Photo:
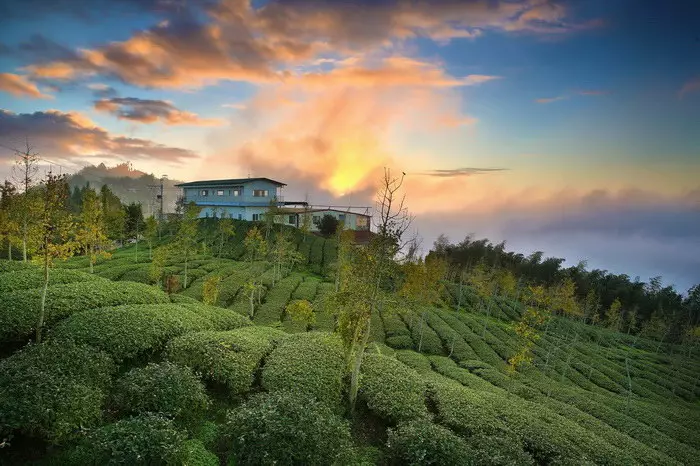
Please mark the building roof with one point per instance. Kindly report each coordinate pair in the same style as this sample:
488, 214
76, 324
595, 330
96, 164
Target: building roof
229, 182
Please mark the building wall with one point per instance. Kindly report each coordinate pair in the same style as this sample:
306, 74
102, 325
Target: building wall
246, 197
351, 220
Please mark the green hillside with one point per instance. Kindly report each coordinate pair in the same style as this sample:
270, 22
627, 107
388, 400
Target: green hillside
131, 374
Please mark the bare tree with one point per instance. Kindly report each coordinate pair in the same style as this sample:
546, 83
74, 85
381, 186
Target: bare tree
360, 294
25, 172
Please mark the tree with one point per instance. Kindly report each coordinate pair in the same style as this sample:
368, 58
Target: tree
305, 224
251, 289
225, 231
91, 234
301, 310
283, 254
359, 293
527, 329
186, 238
133, 224
423, 286
9, 225
613, 317
56, 228
255, 245
114, 214
151, 232
328, 225
270, 217
210, 291
25, 171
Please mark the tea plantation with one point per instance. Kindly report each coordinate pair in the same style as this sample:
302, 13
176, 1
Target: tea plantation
130, 374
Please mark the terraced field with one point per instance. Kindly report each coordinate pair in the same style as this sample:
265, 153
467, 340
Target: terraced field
434, 381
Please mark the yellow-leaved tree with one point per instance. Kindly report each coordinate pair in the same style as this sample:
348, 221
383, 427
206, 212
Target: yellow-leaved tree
91, 235
56, 230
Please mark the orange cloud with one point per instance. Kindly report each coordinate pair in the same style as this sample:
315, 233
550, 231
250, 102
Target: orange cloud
19, 86
151, 111
335, 137
264, 44
391, 71
71, 135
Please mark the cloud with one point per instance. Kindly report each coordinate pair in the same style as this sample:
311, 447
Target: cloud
335, 137
32, 9
151, 111
236, 41
585, 93
459, 172
102, 91
693, 85
72, 136
549, 100
238, 106
390, 71
19, 86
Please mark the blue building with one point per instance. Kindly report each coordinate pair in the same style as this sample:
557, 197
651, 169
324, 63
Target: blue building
239, 198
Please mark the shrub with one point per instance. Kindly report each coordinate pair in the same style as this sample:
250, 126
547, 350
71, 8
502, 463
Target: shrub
311, 364
400, 342
228, 357
499, 451
221, 319
415, 361
129, 331
425, 443
392, 390
34, 278
149, 439
282, 427
165, 388
52, 390
18, 315
194, 453
272, 310
12, 266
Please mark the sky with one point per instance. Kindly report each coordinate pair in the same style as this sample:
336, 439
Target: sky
570, 127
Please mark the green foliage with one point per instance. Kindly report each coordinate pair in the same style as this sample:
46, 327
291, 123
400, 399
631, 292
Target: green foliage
230, 358
221, 319
415, 361
13, 266
51, 391
194, 453
33, 278
425, 443
311, 364
284, 428
126, 332
210, 291
328, 225
272, 310
18, 313
392, 390
165, 388
149, 439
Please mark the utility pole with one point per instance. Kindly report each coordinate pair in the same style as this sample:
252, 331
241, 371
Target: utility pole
159, 197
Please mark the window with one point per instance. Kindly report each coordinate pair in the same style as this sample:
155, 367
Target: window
240, 216
204, 192
341, 217
256, 217
206, 214
261, 193
317, 219
237, 191
220, 192
292, 219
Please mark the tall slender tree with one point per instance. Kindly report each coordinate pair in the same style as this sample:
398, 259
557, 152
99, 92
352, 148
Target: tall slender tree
91, 234
56, 228
186, 238
25, 171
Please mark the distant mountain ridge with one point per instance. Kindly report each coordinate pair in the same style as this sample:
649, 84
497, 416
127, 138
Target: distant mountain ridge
131, 185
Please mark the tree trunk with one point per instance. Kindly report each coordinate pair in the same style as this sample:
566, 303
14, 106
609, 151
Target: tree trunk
252, 304
42, 310
137, 248
420, 340
459, 296
357, 364
185, 281
24, 241
9, 249
221, 245
92, 260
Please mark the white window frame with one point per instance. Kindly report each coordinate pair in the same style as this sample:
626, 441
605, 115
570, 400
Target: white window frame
204, 192
256, 217
220, 192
